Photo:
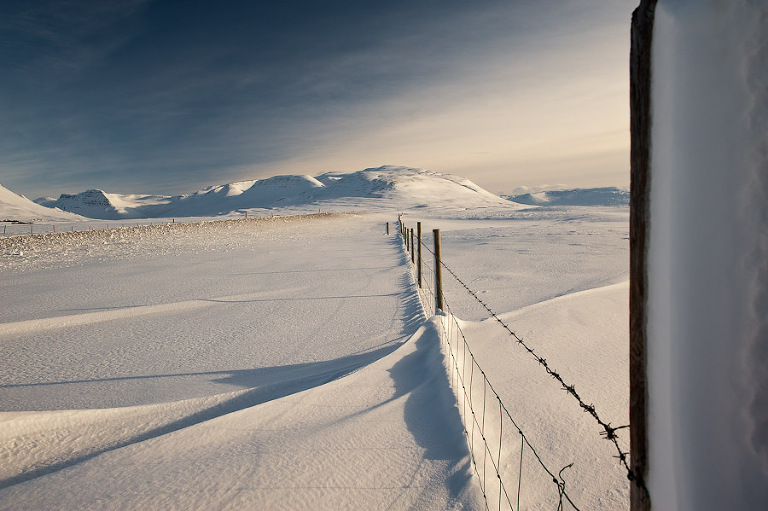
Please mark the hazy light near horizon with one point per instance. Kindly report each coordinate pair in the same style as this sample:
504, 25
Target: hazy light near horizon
560, 116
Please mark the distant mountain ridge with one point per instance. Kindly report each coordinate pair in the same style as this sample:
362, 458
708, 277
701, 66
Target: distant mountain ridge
606, 196
391, 186
380, 188
17, 208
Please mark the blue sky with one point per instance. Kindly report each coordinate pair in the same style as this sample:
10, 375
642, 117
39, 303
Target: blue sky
171, 96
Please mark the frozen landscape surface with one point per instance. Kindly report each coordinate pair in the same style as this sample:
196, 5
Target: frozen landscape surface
286, 363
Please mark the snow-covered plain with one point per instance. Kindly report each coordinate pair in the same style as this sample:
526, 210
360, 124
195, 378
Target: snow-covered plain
286, 363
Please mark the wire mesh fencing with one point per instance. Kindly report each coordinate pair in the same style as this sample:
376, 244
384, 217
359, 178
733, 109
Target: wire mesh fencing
510, 471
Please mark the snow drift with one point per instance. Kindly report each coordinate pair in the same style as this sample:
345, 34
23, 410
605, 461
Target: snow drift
707, 335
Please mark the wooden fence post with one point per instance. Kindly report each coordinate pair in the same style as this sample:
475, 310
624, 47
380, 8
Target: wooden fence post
438, 272
387, 227
418, 256
413, 252
407, 241
640, 129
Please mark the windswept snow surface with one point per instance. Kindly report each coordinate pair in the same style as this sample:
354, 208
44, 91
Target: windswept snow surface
286, 363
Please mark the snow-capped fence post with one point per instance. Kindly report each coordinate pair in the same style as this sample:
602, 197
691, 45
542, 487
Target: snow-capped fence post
438, 272
698, 158
418, 256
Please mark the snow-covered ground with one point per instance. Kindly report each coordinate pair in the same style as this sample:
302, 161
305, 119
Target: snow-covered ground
286, 362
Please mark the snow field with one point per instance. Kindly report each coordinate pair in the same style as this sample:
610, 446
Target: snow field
160, 334
337, 446
221, 377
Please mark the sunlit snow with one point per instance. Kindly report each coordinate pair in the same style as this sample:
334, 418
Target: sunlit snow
285, 362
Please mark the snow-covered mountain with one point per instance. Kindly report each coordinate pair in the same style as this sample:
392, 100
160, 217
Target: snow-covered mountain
17, 208
609, 196
388, 186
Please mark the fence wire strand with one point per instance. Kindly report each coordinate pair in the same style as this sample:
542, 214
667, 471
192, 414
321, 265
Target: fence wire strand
607, 430
452, 334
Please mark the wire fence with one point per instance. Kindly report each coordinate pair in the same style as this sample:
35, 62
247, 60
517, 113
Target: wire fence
15, 228
8, 229
510, 470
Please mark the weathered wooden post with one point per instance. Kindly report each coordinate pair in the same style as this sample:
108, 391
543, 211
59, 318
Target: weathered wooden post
387, 228
640, 128
418, 256
438, 272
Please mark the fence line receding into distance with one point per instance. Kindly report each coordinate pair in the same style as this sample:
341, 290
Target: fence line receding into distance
505, 469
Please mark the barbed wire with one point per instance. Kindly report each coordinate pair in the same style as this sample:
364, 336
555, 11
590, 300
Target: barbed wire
560, 483
608, 431
427, 295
